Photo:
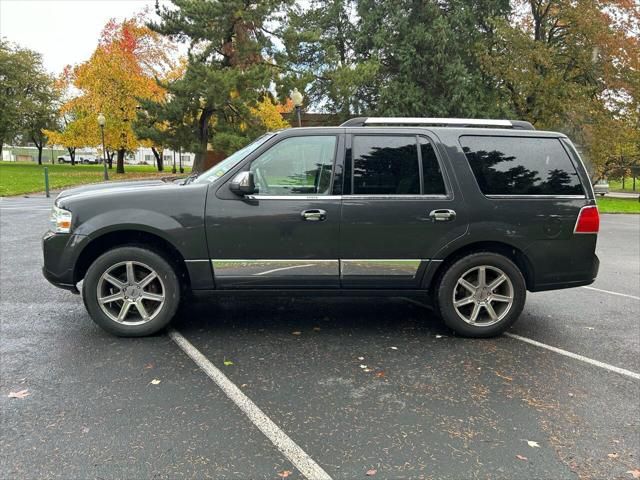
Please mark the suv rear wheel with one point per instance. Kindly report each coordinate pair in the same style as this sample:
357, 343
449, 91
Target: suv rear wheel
481, 295
131, 291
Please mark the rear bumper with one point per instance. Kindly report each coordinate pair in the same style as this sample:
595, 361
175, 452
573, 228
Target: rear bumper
586, 279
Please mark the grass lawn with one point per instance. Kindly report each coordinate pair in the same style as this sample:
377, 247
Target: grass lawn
18, 178
618, 205
615, 185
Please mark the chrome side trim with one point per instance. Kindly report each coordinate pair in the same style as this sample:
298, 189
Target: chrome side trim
379, 268
582, 197
195, 261
350, 197
395, 197
293, 197
274, 268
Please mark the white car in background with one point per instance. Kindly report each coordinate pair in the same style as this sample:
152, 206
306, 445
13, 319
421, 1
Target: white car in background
601, 187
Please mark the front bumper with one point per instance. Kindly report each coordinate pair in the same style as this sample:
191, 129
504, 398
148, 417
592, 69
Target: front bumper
59, 252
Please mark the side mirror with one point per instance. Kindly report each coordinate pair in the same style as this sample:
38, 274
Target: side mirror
243, 184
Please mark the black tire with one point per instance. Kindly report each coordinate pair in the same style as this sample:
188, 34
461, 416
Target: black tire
504, 316
165, 283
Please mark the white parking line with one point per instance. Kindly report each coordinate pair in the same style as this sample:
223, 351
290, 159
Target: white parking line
560, 351
575, 356
303, 462
612, 293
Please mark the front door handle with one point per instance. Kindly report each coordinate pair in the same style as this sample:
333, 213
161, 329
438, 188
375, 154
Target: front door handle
443, 215
314, 215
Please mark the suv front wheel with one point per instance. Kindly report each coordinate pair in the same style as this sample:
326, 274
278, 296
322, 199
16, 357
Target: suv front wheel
131, 291
481, 295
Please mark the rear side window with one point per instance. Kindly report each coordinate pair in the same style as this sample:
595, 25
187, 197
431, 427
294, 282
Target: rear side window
391, 165
521, 166
385, 165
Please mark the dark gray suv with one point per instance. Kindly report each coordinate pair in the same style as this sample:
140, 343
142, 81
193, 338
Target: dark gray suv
468, 213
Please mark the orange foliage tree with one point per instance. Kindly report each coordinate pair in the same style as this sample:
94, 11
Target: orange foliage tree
122, 71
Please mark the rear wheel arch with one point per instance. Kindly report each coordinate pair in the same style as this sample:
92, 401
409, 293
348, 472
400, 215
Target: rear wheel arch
139, 238
514, 254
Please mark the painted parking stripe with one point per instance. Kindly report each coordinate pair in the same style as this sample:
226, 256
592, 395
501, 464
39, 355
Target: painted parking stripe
575, 356
298, 457
566, 353
612, 293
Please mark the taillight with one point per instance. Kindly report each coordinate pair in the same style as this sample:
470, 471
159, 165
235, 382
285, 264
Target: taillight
588, 220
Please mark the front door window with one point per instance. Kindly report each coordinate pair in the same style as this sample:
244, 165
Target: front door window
296, 166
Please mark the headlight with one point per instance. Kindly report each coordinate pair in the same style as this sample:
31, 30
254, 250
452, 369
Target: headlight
60, 220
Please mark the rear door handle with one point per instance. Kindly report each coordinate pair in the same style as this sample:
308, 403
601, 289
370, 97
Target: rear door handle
314, 215
443, 215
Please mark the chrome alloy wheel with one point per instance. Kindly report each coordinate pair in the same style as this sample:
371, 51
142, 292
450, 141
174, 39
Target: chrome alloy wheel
130, 284
483, 296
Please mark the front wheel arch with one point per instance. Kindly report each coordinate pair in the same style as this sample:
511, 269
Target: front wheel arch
139, 238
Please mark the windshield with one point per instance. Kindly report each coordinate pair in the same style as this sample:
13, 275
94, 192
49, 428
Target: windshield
231, 161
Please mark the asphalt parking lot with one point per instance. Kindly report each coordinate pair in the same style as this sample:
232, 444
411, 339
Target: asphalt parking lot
341, 387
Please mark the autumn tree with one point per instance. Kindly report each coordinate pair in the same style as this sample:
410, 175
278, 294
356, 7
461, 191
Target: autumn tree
27, 97
574, 67
228, 68
120, 73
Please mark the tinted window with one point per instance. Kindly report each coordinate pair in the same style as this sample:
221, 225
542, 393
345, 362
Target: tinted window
296, 166
385, 165
433, 182
521, 166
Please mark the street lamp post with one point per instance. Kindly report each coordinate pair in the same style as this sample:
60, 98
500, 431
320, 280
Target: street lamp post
101, 122
297, 98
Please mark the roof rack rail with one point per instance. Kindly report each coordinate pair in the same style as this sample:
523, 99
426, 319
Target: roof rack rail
445, 122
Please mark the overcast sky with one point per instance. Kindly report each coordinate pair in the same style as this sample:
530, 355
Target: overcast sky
63, 31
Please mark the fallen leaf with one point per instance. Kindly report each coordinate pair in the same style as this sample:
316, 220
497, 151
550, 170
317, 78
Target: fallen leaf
570, 394
316, 329
227, 363
20, 394
367, 370
380, 374
85, 429
360, 358
612, 455
393, 348
149, 366
507, 378
635, 473
533, 444
363, 366
284, 473
439, 336
296, 333
244, 385
520, 457
155, 381
371, 472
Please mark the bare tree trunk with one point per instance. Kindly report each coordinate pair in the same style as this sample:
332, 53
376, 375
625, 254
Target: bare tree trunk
72, 154
1, 145
159, 160
110, 159
120, 164
203, 137
39, 147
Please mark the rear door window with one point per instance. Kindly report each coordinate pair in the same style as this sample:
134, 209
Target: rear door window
521, 166
395, 165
